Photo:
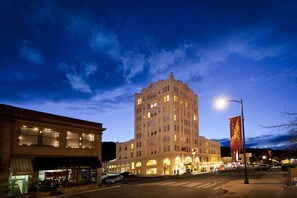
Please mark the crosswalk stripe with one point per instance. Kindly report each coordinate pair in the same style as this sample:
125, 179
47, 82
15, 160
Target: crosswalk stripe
179, 184
203, 185
218, 187
166, 183
192, 184
209, 185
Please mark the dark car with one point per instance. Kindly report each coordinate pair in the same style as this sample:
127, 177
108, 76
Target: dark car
126, 174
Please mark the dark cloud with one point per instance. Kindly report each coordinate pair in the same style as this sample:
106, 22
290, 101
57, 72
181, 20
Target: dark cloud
276, 141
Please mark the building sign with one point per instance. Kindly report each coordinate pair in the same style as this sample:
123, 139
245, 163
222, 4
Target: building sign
55, 174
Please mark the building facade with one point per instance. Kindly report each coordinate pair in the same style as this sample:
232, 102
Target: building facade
36, 146
166, 134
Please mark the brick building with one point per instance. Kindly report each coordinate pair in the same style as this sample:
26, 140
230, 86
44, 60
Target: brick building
36, 145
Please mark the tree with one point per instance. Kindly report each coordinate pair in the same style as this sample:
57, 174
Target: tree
289, 127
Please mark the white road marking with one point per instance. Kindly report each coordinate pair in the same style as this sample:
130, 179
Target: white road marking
179, 184
192, 184
210, 185
166, 183
218, 187
203, 185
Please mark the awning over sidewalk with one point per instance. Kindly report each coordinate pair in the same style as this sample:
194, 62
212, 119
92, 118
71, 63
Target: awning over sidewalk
21, 166
51, 163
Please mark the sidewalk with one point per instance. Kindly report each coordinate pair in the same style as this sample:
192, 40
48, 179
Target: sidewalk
270, 185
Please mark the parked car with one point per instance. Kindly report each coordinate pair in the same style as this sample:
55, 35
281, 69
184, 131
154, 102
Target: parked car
126, 174
103, 176
263, 167
111, 179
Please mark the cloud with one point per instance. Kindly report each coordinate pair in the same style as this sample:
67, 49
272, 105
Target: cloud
30, 54
276, 141
105, 42
164, 59
89, 68
132, 63
117, 95
286, 73
78, 79
78, 83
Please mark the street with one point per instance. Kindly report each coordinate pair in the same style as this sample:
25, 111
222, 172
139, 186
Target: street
204, 185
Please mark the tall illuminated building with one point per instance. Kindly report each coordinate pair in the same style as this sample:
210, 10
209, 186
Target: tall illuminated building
166, 133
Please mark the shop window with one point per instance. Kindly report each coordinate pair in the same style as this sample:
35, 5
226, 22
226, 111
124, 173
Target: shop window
28, 136
50, 137
138, 164
151, 171
166, 162
87, 141
72, 140
151, 162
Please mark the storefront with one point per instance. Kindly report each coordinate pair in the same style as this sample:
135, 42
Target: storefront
21, 172
62, 170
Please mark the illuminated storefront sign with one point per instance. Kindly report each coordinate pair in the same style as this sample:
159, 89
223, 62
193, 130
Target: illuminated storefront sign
55, 174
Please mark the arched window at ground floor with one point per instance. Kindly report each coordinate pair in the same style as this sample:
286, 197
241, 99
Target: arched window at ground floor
151, 167
151, 171
138, 168
166, 166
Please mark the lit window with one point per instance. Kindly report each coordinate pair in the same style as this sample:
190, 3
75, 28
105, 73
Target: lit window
148, 115
174, 117
72, 140
155, 104
50, 137
167, 97
175, 138
132, 146
151, 162
175, 98
87, 141
195, 117
28, 136
138, 164
139, 101
164, 98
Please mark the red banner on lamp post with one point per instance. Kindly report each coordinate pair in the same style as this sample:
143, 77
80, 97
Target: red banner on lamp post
235, 133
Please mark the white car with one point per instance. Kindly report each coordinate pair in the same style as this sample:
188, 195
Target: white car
104, 176
111, 179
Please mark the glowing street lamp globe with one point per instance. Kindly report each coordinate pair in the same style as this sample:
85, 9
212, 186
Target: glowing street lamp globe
221, 103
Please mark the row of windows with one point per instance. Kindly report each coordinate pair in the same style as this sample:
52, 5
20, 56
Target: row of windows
126, 147
47, 137
166, 108
167, 118
167, 148
165, 129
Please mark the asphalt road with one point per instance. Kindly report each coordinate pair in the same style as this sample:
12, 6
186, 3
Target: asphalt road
201, 185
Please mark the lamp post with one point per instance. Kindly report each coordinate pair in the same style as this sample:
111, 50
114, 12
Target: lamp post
221, 103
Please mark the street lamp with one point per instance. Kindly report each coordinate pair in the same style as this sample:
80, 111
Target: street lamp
221, 103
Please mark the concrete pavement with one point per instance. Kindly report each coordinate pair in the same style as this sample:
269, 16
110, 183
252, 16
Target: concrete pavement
271, 185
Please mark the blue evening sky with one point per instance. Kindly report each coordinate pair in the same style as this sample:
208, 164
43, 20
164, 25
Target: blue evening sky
86, 59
